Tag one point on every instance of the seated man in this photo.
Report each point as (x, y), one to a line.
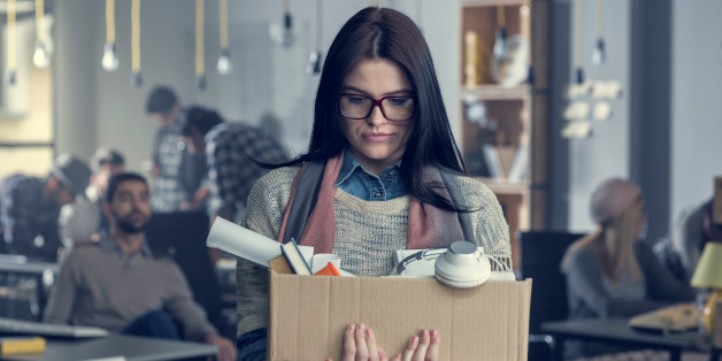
(118, 285)
(30, 207)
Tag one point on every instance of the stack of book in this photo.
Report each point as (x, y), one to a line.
(292, 261)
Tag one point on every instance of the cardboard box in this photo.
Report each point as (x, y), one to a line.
(308, 316)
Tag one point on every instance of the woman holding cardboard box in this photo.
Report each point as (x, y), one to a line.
(382, 173)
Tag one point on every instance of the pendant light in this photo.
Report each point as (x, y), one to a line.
(579, 70)
(41, 55)
(136, 77)
(287, 37)
(110, 59)
(314, 60)
(525, 19)
(200, 61)
(11, 50)
(599, 54)
(500, 39)
(224, 65)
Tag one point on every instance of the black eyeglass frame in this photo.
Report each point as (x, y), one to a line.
(377, 103)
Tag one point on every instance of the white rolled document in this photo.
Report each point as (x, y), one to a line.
(242, 242)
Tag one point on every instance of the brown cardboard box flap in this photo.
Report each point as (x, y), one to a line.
(308, 316)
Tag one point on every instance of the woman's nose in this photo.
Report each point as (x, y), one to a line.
(376, 116)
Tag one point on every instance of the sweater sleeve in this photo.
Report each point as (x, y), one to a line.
(585, 279)
(263, 215)
(490, 227)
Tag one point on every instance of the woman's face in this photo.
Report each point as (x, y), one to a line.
(376, 142)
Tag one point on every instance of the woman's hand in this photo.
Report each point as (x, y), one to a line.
(360, 345)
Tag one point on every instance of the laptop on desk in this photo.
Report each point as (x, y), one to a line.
(9, 326)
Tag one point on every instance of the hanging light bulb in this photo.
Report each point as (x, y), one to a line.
(110, 59)
(136, 77)
(224, 65)
(41, 56)
(598, 55)
(11, 45)
(200, 60)
(288, 38)
(314, 60)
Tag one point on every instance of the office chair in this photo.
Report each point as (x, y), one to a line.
(541, 254)
(182, 236)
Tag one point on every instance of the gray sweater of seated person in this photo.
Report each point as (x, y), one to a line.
(591, 294)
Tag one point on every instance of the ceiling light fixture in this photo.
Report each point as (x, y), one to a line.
(224, 65)
(11, 41)
(200, 61)
(41, 55)
(136, 77)
(110, 59)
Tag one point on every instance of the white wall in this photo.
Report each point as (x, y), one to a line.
(606, 153)
(100, 108)
(696, 100)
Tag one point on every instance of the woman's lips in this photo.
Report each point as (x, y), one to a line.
(377, 137)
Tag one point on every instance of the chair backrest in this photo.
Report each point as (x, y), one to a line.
(182, 236)
(541, 253)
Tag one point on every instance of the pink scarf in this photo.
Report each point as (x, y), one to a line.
(428, 226)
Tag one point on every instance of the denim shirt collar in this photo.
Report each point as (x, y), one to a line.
(350, 164)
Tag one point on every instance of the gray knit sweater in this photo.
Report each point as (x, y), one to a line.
(367, 233)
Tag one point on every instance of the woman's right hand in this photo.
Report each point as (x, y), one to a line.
(360, 345)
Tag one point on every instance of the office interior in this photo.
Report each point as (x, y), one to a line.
(662, 133)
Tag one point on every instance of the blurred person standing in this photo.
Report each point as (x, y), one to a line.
(231, 151)
(83, 220)
(176, 174)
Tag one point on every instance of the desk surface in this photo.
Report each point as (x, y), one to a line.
(117, 347)
(618, 330)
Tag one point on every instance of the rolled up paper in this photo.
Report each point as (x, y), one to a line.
(242, 242)
(255, 247)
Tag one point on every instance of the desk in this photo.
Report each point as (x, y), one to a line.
(15, 271)
(617, 331)
(117, 347)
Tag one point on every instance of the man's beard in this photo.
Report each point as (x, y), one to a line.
(128, 226)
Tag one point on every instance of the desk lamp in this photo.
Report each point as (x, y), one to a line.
(708, 274)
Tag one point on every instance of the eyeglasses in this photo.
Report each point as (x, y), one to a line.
(395, 108)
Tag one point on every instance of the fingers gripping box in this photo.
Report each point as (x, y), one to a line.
(308, 316)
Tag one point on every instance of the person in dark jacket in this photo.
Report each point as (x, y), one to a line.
(30, 206)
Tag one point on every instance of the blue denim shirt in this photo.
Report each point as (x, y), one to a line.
(355, 180)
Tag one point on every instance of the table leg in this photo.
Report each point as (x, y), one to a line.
(675, 355)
